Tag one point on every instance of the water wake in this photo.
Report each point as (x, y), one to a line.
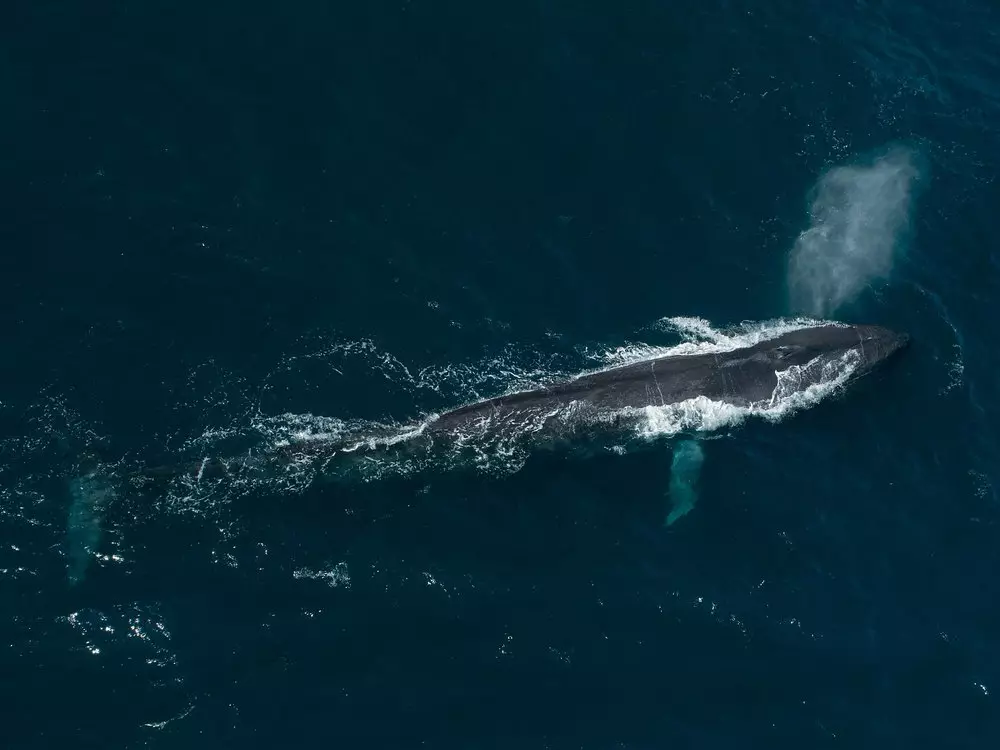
(857, 218)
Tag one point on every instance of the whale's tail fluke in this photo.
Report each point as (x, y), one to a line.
(90, 493)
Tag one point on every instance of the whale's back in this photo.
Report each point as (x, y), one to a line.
(735, 377)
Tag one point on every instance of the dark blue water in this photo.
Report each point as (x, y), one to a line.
(217, 214)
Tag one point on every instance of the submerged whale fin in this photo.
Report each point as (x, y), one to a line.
(684, 472)
(89, 494)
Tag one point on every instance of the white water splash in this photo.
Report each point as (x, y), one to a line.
(336, 577)
(700, 337)
(857, 217)
(703, 415)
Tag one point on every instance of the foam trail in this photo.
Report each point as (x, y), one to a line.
(684, 472)
(857, 215)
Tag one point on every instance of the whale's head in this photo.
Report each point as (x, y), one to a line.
(823, 352)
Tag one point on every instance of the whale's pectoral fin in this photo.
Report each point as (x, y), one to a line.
(684, 472)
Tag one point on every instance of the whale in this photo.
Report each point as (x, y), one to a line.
(613, 400)
(742, 377)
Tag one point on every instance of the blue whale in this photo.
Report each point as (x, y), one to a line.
(742, 377)
(756, 376)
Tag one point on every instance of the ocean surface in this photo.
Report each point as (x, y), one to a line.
(226, 225)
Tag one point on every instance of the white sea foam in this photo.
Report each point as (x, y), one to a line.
(337, 576)
(702, 414)
(700, 337)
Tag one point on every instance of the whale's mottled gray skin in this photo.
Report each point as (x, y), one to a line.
(740, 377)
